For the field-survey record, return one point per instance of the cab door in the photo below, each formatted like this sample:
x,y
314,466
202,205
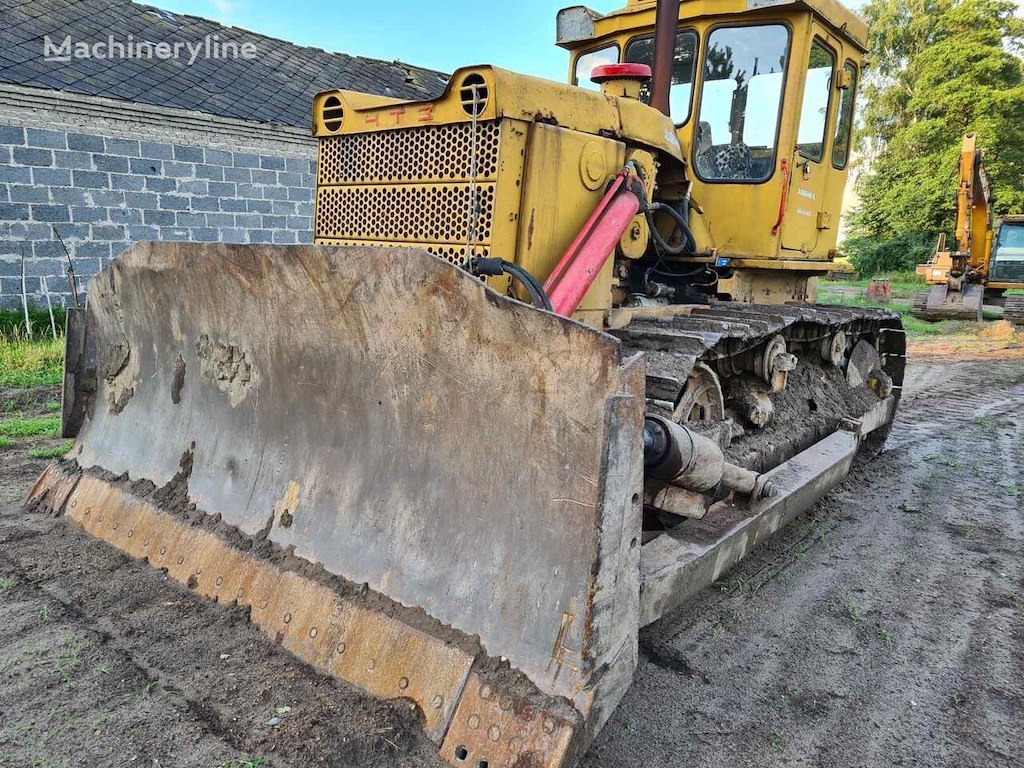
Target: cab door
x,y
806,218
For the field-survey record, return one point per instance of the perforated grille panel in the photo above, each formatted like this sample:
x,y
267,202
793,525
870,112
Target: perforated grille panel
x,y
428,153
423,213
409,186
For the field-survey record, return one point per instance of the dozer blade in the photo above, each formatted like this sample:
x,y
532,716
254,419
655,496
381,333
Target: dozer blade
x,y
413,483
940,303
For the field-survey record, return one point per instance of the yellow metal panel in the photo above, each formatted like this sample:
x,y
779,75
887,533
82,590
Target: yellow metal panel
x,y
557,201
640,13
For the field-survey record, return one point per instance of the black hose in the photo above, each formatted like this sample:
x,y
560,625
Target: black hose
x,y
688,242
538,297
495,266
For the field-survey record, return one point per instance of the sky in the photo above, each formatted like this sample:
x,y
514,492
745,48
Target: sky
x,y
438,34
445,35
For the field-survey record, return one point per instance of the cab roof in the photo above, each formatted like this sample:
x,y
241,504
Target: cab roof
x,y
836,15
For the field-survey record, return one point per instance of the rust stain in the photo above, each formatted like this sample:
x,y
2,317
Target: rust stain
x,y
287,506
494,728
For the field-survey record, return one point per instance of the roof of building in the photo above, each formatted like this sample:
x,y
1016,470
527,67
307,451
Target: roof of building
x,y
275,85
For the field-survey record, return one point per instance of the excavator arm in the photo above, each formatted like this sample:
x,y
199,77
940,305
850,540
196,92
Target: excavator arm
x,y
955,277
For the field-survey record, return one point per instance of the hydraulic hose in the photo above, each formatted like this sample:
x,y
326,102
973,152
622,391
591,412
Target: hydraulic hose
x,y
688,241
496,266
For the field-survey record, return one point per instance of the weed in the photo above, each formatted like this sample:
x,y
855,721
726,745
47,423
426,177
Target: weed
x,y
30,363
5,442
853,609
733,584
53,452
775,739
887,637
1014,489
967,529
8,582
43,426
148,687
46,612
986,423
944,461
52,406
67,657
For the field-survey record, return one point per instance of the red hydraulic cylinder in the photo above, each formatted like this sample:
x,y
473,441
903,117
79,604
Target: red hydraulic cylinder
x,y
575,273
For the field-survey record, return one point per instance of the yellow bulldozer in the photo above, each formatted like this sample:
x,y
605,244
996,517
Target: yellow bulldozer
x,y
552,367
981,268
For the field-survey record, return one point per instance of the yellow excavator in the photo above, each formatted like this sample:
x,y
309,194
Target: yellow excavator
x,y
981,268
552,367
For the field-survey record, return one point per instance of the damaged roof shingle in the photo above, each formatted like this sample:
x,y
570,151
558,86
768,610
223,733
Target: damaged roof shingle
x,y
276,85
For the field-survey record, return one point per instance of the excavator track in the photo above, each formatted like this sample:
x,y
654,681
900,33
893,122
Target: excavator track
x,y
1013,310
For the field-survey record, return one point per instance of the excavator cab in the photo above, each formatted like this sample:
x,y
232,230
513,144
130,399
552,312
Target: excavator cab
x,y
762,99
1008,251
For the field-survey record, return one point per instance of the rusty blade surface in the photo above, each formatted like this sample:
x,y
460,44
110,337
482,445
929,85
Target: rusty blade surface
x,y
392,419
497,729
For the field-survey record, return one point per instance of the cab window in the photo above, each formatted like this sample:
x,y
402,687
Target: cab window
x,y
585,65
738,120
844,118
810,135
640,50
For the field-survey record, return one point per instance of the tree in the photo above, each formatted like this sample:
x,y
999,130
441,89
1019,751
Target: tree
x,y
938,69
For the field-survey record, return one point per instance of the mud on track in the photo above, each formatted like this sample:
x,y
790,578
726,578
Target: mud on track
x,y
885,626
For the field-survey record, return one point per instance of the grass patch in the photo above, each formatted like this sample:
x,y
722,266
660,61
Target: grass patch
x,y
28,362
887,637
852,609
13,321
5,442
54,452
898,281
986,423
43,426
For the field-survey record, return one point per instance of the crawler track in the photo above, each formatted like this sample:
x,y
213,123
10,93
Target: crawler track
x,y
1014,310
816,397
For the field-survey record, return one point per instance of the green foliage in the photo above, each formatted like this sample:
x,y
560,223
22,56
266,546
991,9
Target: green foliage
x,y
25,363
940,68
53,452
872,256
12,321
43,426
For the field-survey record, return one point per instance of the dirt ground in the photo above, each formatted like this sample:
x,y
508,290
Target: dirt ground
x,y
885,626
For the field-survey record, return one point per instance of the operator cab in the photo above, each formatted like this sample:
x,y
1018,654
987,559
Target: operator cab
x,y
762,97
1008,251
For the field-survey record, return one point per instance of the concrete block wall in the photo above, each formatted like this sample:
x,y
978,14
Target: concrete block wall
x,y
113,180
